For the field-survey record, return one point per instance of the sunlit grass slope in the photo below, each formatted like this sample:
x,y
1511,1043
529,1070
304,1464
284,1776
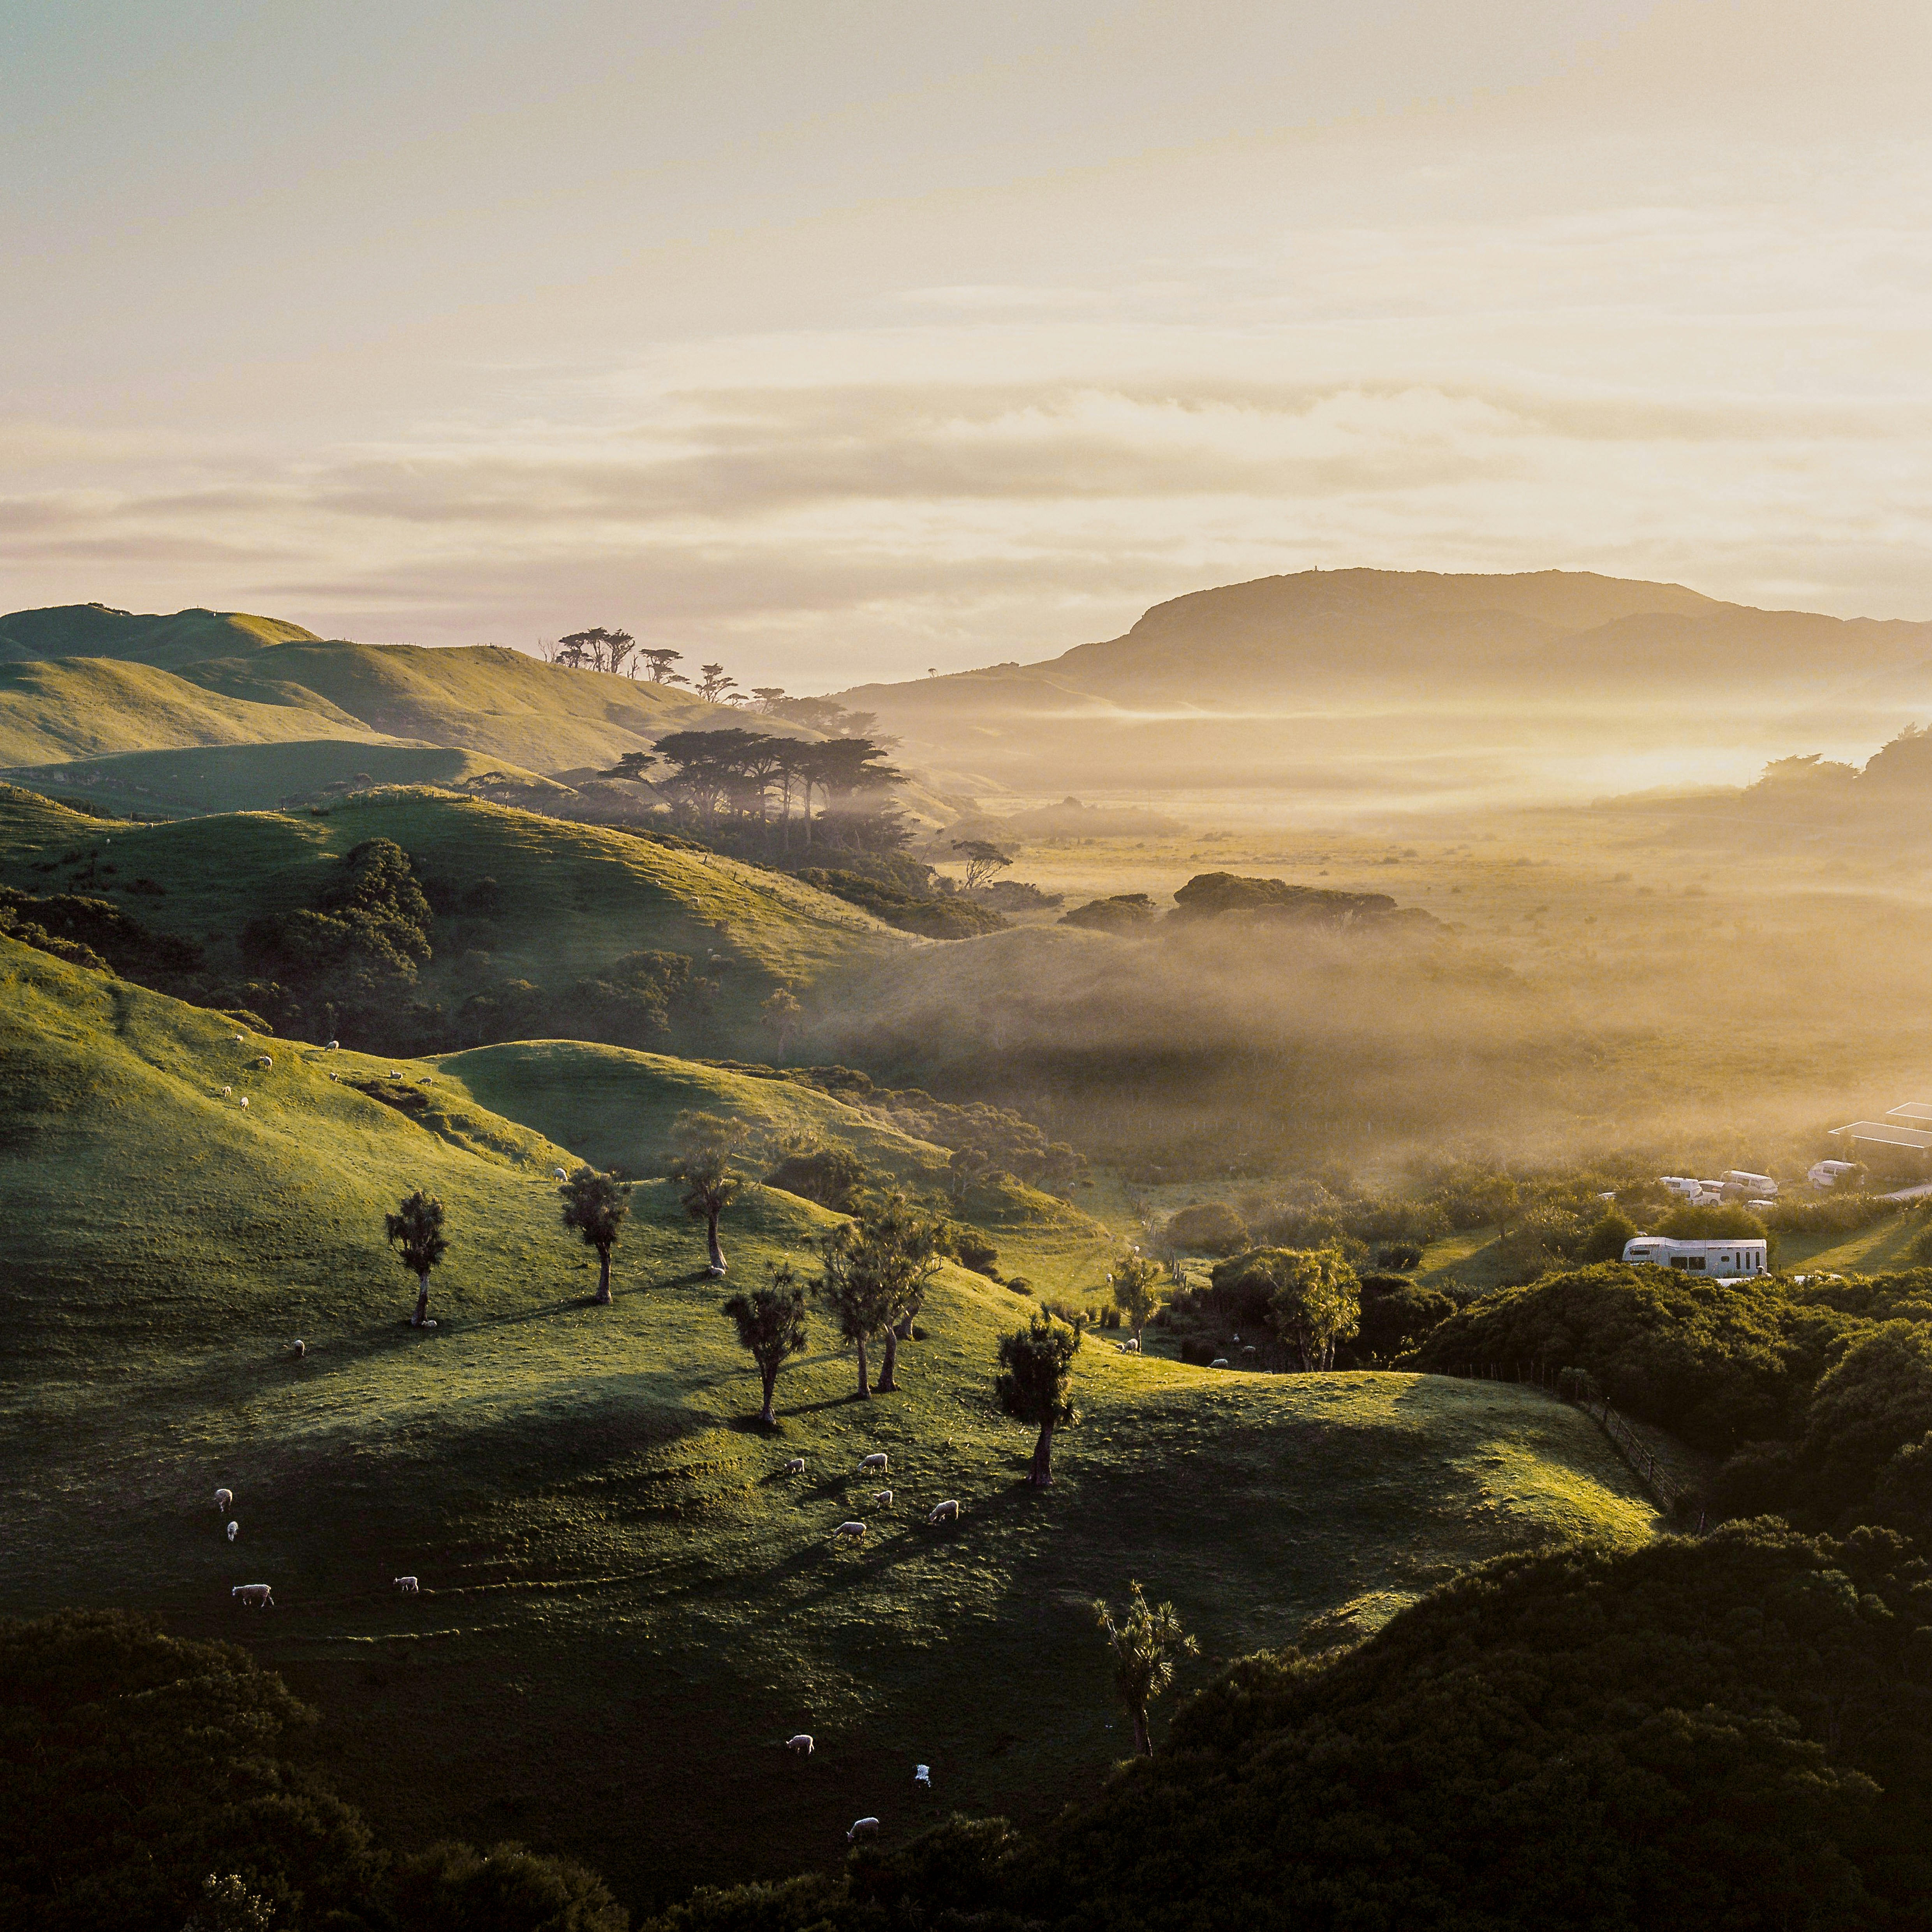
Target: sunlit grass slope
x,y
573,897
96,630
616,1108
625,1606
58,709
487,699
258,777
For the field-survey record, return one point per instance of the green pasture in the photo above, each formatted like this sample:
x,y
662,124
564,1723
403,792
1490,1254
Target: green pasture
x,y
626,1606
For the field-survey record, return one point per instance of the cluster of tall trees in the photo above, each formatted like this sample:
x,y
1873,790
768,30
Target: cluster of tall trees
x,y
787,788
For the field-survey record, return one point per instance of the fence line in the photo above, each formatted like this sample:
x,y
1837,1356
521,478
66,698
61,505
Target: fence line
x,y
1670,1493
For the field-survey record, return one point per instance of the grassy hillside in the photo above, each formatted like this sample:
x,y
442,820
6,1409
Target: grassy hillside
x,y
254,777
95,631
573,898
617,1107
625,1607
62,708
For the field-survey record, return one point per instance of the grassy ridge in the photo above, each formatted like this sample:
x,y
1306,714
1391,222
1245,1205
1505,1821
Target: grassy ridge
x,y
574,897
185,637
624,1609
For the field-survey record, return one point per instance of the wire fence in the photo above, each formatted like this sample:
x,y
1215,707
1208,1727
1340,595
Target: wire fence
x,y
1672,1495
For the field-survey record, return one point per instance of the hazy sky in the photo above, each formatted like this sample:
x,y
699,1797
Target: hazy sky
x,y
845,338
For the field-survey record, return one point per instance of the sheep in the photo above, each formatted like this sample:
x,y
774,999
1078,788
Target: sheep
x,y
1128,1347
795,1467
558,1174
851,1531
1219,1362
946,1512
877,1460
234,1530
867,1827
245,1103
395,1073
334,1046
408,1585
239,1041
922,1775
298,1348
253,1596
266,1060
224,1500
335,1077
882,1498
802,1744
226,1091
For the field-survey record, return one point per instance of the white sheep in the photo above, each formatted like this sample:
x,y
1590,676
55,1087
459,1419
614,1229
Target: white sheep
x,y
802,1744
226,1091
224,1500
239,1041
395,1073
558,1174
1248,1348
333,1046
234,1530
335,1076
922,1775
253,1596
1219,1362
862,1828
946,1512
882,1498
408,1585
245,1103
298,1348
851,1531
878,1461
266,1060
795,1467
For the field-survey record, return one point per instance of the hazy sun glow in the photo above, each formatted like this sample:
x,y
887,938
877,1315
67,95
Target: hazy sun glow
x,y
849,340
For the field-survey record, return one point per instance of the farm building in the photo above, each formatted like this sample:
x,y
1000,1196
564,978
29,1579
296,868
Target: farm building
x,y
1737,1256
1887,1144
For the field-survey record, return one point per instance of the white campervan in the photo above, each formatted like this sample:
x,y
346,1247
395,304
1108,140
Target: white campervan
x,y
1737,1256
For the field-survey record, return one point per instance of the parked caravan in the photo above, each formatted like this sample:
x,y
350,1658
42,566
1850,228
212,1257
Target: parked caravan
x,y
1829,1173
1740,1256
1759,1184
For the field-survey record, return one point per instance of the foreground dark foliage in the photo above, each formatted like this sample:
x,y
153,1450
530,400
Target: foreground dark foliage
x,y
135,1767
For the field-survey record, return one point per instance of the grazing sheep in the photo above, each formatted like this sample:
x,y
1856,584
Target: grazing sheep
x,y
1248,1348
878,1461
558,1174
253,1596
946,1512
226,1091
802,1744
882,1498
1219,1362
335,1076
795,1467
234,1530
408,1585
298,1348
245,1103
224,1500
922,1774
334,1046
862,1828
395,1073
239,1041
851,1531
266,1060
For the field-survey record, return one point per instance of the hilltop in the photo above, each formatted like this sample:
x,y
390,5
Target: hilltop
x,y
624,1609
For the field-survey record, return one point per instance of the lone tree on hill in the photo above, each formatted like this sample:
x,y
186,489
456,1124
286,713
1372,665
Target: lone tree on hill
x,y
1134,1282
702,1147
982,861
596,1204
1147,1642
1496,1199
771,1327
1317,1302
660,662
415,1231
876,1270
1035,1384
712,684
782,1014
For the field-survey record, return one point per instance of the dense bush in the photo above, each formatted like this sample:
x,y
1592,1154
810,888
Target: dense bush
x,y
1206,1227
934,917
135,1767
369,931
1719,1362
1126,913
1397,1314
826,1171
1736,1732
1828,1214
97,933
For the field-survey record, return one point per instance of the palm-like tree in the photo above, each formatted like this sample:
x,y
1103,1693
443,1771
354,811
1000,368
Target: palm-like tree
x,y
596,1204
1147,1642
415,1231
1035,1384
702,1147
771,1327
1135,1280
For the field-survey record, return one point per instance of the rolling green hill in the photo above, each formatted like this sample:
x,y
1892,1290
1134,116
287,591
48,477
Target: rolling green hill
x,y
625,1606
573,898
95,631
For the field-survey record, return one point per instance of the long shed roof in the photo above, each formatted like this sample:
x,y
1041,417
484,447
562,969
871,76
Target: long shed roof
x,y
1886,1133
